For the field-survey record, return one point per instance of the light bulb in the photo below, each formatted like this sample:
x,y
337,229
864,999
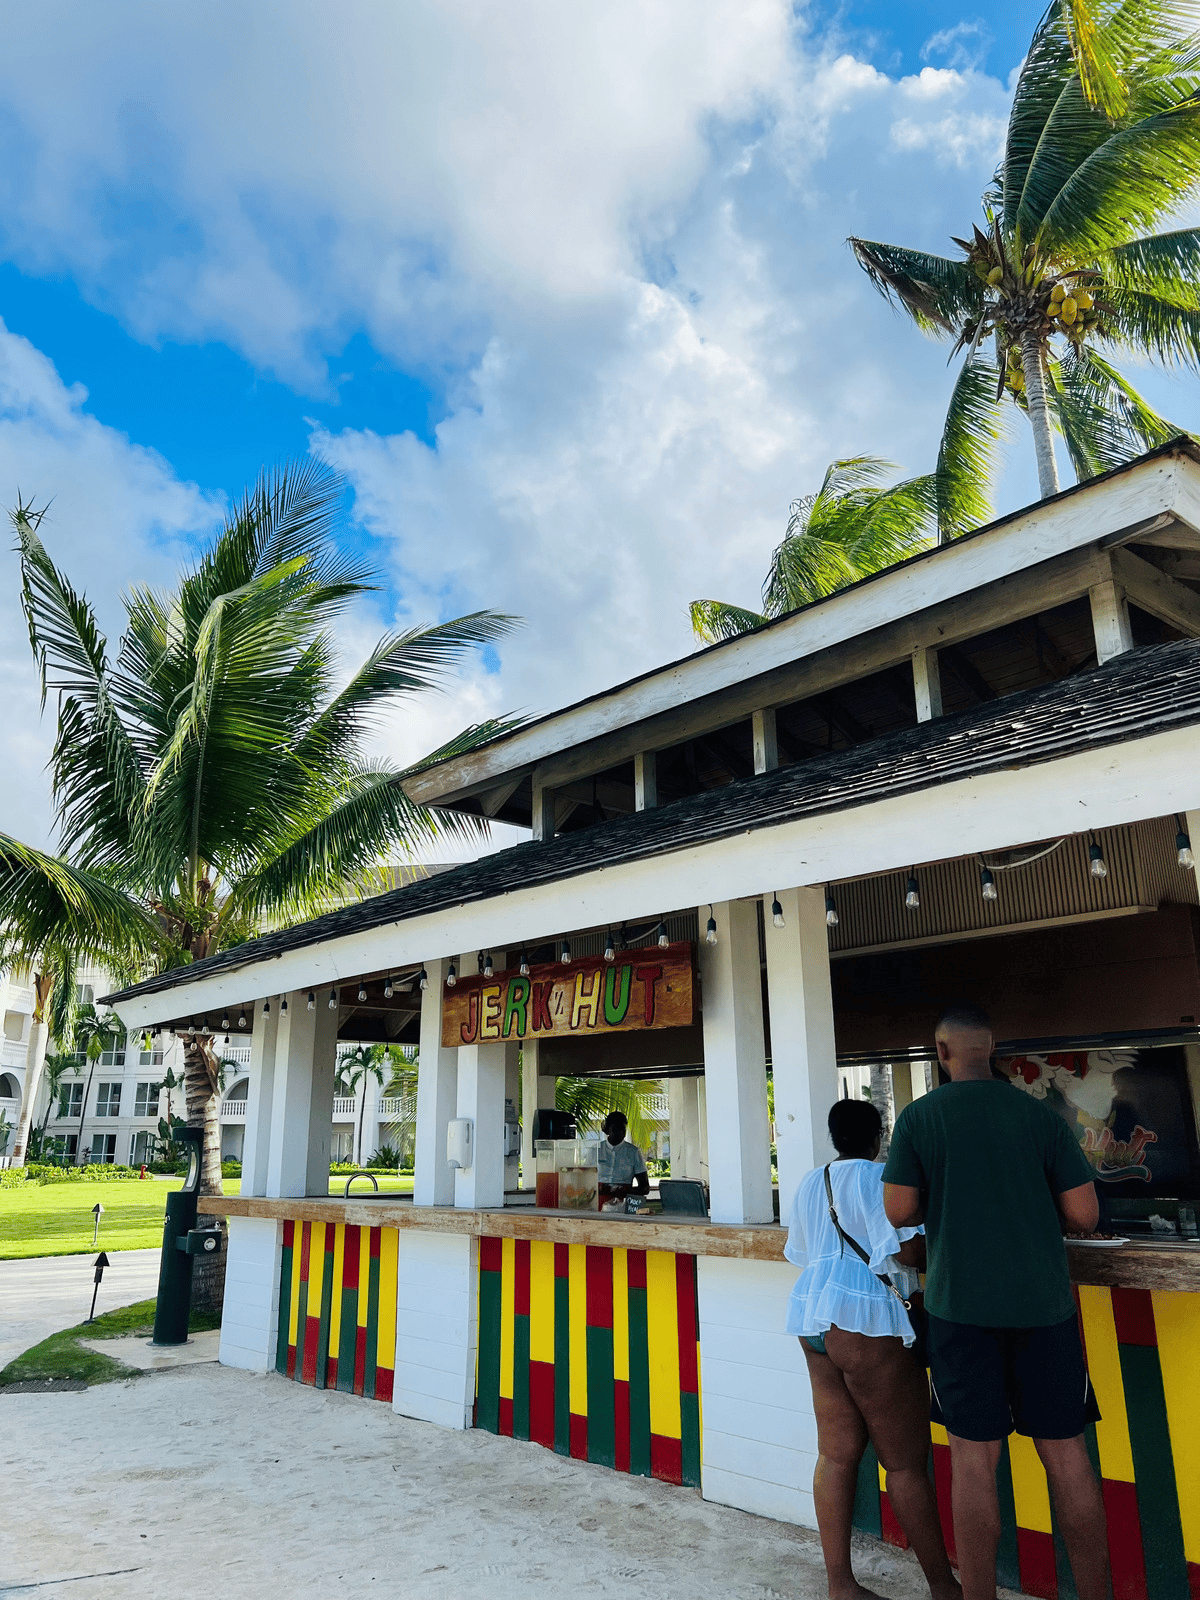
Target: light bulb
x,y
831,912
242,1018
610,950
710,930
664,937
565,954
1096,864
226,1038
312,1001
266,1008
1183,850
987,885
333,999
451,976
283,1007
488,969
423,980
225,1020
524,968
777,912
912,896
388,988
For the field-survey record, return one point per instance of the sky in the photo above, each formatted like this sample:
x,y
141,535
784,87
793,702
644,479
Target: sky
x,y
562,291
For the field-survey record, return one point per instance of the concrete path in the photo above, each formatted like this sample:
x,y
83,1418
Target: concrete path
x,y
207,1480
147,1356
49,1293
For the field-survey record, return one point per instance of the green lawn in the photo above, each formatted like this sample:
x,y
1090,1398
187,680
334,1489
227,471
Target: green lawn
x,y
61,1356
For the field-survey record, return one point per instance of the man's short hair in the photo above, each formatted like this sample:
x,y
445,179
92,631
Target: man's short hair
x,y
854,1126
614,1119
964,1016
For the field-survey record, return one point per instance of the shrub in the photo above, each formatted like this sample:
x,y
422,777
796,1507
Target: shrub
x,y
231,1168
13,1178
100,1173
385,1156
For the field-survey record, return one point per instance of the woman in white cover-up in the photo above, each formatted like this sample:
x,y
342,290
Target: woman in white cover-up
x,y
868,1382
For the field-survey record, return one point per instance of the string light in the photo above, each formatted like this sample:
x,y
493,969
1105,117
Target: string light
x,y
776,912
388,988
488,969
610,950
333,999
831,911
664,937
1096,863
242,1018
912,894
423,980
225,1021
451,976
312,1001
1183,847
283,1007
710,930
226,1038
362,992
565,954
524,967
987,885
266,1008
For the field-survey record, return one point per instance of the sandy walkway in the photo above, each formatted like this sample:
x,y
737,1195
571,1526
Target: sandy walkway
x,y
210,1481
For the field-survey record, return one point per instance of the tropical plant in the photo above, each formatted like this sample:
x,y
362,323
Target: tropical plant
x,y
93,1035
57,1067
384,1158
851,527
1103,147
354,1067
589,1100
211,779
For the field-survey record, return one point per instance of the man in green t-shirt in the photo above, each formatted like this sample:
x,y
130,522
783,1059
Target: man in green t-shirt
x,y
994,1175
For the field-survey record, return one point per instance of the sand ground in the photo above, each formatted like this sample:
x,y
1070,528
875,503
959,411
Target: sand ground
x,y
205,1481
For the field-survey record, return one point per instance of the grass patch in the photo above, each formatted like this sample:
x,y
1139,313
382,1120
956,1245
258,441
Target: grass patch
x,y
62,1356
56,1220
389,1183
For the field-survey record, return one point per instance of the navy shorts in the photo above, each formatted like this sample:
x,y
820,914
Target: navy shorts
x,y
990,1382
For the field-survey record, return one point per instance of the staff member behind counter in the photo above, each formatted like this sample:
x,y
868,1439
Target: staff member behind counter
x,y
622,1169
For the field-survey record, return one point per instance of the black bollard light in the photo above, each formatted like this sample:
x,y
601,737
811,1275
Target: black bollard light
x,y
182,1241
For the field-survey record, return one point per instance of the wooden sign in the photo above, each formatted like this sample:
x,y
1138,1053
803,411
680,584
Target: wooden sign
x,y
652,988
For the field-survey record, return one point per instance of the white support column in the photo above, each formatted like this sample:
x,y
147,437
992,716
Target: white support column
x,y
437,1097
683,1109
1110,620
543,810
302,1100
735,1072
766,741
645,779
702,1128
512,1092
927,683
537,1094
803,1054
259,1097
482,1071
250,1314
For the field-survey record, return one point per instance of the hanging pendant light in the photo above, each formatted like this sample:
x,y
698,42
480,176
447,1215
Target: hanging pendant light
x,y
423,980
664,938
242,1017
524,967
225,1021
312,1001
610,950
333,999
1096,863
451,976
1183,848
388,988
776,912
266,1008
987,885
912,894
283,1007
226,1038
831,911
564,954
710,928
488,968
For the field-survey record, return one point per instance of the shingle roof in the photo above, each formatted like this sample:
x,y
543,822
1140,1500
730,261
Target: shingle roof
x,y
1136,694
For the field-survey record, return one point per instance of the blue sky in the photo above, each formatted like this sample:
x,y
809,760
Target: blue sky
x,y
562,291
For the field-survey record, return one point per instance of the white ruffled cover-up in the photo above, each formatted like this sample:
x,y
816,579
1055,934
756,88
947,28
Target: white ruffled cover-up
x,y
836,1288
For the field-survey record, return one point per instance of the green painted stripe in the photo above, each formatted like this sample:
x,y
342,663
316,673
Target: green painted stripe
x,y
601,1401
285,1307
1154,1472
1008,1566
521,1378
562,1368
639,1386
346,1337
868,1518
689,1414
372,1357
326,1310
302,1323
487,1381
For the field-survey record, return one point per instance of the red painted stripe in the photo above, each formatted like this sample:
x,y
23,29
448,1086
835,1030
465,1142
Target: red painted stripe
x,y
637,1269
289,1235
376,1241
666,1459
541,1403
360,1359
578,1436
1133,1313
291,1361
1035,1558
312,1332
491,1254
621,1421
521,1266
506,1420
599,1287
941,1479
685,1310
305,1243
1125,1554
331,1372
561,1261
385,1378
350,1257
1193,1573
893,1533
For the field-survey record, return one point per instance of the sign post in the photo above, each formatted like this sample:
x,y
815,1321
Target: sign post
x,y
101,1262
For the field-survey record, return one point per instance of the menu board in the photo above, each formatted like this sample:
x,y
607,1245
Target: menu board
x,y
653,988
1131,1111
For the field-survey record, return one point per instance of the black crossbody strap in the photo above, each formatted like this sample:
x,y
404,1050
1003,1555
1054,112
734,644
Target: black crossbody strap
x,y
849,1239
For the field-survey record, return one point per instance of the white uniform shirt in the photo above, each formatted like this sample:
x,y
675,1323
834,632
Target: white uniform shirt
x,y
836,1287
620,1163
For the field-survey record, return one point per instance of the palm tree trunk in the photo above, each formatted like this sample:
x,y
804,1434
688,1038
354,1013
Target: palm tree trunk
x,y
204,1110
1039,413
35,1060
362,1106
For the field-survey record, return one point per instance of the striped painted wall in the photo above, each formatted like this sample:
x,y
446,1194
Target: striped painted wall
x,y
337,1307
593,1353
1144,1357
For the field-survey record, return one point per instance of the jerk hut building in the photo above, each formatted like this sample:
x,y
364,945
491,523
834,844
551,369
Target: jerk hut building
x,y
754,876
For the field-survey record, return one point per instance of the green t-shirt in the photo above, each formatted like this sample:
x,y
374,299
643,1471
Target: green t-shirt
x,y
990,1161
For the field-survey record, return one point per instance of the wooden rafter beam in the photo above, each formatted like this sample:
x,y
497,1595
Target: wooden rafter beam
x,y
1157,592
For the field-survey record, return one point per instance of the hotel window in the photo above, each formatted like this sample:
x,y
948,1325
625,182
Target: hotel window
x,y
70,1100
145,1101
108,1100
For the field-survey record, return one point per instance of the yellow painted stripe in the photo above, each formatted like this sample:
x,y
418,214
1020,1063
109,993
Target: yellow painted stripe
x,y
621,1315
508,1313
1104,1365
541,1301
662,1332
577,1325
1177,1321
316,1269
385,1340
294,1307
364,1275
339,1267
882,1475
1031,1492
938,1434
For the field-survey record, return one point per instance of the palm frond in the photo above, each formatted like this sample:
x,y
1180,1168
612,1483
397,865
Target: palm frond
x,y
589,1101
1097,56
1166,265
1102,418
1152,324
713,620
967,454
46,904
938,293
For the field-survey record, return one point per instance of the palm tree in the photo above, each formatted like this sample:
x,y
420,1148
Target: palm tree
x,y
850,528
354,1067
211,780
1069,268
589,1100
